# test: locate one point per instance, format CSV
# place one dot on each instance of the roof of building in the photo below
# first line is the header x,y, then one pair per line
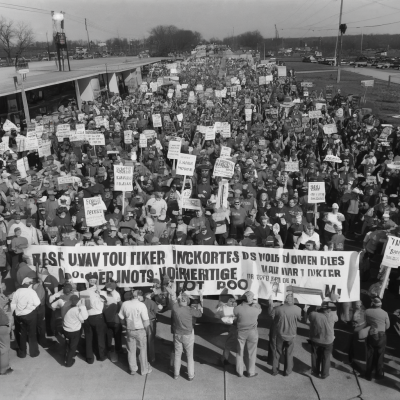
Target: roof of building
x,y
45,73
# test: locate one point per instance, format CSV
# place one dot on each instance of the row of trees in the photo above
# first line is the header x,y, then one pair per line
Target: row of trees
x,y
164,39
15,38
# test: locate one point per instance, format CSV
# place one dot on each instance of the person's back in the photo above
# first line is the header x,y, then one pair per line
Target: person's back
x,y
322,326
135,312
377,319
182,319
247,315
285,320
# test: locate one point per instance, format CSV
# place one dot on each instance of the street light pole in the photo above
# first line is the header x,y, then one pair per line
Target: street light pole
x,y
87,32
341,38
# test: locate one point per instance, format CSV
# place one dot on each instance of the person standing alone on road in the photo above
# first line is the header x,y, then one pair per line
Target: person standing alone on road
x,y
285,319
247,315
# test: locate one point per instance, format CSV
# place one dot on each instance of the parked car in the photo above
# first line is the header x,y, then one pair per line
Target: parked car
x,y
310,59
361,61
396,64
383,65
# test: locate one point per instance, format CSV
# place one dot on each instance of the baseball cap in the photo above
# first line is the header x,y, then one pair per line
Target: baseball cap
x,y
335,205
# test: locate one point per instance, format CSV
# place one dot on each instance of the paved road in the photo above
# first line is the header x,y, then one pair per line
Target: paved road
x,y
44,377
382,74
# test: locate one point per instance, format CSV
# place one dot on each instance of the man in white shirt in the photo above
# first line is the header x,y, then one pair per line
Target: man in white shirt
x,y
135,316
72,324
332,220
95,324
24,303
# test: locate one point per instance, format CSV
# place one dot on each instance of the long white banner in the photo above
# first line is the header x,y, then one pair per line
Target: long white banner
x,y
311,276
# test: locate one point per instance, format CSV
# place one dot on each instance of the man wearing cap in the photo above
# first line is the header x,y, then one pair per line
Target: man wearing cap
x,y
247,315
94,325
73,319
111,309
182,329
322,334
24,306
205,237
51,205
134,315
378,321
152,310
331,219
285,319
237,217
18,245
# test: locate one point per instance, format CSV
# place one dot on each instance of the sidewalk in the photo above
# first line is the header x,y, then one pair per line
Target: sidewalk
x,y
45,378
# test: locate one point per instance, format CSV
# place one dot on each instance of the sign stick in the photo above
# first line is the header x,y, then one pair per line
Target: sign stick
x,y
385,281
315,214
123,203
183,189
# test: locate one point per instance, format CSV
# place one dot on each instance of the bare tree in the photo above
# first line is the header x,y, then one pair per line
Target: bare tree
x,y
15,38
7,37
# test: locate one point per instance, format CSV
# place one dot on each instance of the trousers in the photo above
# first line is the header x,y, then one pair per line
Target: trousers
x,y
231,341
247,340
114,330
72,341
321,358
95,332
376,345
4,349
136,339
184,342
41,325
279,347
151,337
26,332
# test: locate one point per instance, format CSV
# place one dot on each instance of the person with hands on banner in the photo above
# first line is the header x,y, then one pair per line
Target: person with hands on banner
x,y
73,319
94,325
285,318
247,316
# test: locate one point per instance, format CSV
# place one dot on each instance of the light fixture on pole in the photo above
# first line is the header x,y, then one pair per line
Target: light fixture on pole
x,y
60,39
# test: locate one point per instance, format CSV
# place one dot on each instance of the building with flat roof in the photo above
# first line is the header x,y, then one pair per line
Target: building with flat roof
x,y
46,88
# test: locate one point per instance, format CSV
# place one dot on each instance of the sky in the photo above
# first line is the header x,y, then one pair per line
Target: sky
x,y
133,19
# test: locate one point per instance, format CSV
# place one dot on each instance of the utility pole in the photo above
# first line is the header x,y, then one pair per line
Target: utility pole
x,y
87,32
362,36
264,49
48,47
341,38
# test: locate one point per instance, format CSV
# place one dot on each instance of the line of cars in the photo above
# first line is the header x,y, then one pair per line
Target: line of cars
x,y
380,63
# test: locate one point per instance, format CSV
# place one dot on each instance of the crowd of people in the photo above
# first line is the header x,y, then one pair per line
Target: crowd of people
x,y
281,134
